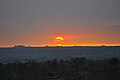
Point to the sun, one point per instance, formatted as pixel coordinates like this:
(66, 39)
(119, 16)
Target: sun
(59, 38)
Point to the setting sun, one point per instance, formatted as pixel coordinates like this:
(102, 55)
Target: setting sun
(59, 38)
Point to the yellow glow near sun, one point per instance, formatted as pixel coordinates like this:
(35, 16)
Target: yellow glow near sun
(59, 44)
(59, 38)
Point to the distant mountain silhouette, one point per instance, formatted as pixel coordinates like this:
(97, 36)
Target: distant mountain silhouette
(19, 46)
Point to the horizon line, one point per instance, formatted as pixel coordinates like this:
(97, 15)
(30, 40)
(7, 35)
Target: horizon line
(61, 46)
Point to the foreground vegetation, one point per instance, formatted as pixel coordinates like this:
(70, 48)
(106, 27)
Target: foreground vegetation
(74, 69)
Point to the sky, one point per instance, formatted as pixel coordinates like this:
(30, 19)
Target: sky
(79, 22)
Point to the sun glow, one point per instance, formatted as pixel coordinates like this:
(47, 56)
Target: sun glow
(59, 44)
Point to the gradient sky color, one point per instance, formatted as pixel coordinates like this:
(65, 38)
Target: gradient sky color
(80, 22)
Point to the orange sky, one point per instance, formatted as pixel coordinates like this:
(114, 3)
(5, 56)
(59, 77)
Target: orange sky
(72, 37)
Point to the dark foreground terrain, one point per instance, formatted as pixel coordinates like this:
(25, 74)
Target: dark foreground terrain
(22, 53)
(74, 69)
